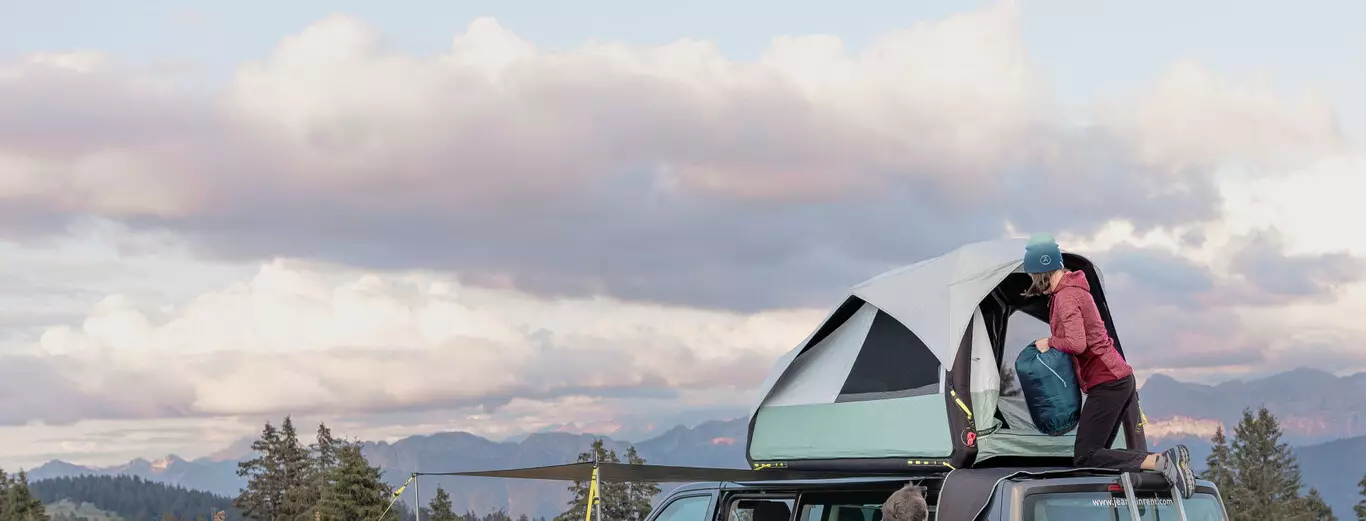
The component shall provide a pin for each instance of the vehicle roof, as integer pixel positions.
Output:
(888, 480)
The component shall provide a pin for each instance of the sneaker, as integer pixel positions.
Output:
(1185, 460)
(1174, 464)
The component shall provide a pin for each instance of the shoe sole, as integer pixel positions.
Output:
(1185, 465)
(1183, 480)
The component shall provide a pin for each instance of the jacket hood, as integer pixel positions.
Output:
(1073, 279)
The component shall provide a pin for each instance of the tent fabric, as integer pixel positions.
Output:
(1015, 442)
(936, 298)
(985, 384)
(865, 390)
(616, 472)
(873, 429)
(819, 376)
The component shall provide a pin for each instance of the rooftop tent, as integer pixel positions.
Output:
(908, 371)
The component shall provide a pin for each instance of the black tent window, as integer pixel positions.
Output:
(892, 363)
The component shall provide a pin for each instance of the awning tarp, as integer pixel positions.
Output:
(647, 473)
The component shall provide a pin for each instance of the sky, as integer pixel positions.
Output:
(501, 217)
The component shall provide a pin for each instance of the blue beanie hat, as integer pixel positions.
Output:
(1042, 254)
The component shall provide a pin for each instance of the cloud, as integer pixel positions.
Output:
(315, 340)
(665, 173)
(1194, 119)
(503, 236)
(1178, 313)
(1262, 262)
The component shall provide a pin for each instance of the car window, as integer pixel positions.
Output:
(1104, 506)
(760, 510)
(692, 508)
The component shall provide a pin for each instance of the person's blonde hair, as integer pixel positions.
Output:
(907, 504)
(1040, 283)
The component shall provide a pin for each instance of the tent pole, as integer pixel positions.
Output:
(597, 498)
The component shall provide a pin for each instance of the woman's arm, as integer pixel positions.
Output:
(1072, 337)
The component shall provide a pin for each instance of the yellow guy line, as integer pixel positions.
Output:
(396, 493)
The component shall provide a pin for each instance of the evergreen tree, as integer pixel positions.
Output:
(325, 449)
(441, 509)
(620, 501)
(19, 502)
(599, 453)
(264, 496)
(1317, 508)
(1360, 507)
(6, 509)
(1266, 476)
(1219, 464)
(357, 490)
(295, 474)
(638, 496)
(322, 459)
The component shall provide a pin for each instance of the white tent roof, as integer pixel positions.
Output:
(935, 298)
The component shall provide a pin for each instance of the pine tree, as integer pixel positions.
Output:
(325, 449)
(1360, 507)
(357, 490)
(1266, 475)
(638, 496)
(263, 498)
(295, 474)
(1219, 464)
(441, 508)
(322, 454)
(20, 503)
(620, 501)
(599, 453)
(1316, 508)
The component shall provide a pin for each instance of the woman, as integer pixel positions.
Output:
(1108, 381)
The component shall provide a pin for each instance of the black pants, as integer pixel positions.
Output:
(1109, 406)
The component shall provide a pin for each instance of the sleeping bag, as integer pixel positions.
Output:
(1049, 384)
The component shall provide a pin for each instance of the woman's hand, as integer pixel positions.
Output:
(1042, 345)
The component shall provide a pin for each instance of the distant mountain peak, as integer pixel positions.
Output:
(165, 463)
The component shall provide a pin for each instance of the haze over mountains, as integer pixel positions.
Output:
(1321, 415)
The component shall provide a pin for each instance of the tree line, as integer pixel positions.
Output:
(329, 479)
(132, 497)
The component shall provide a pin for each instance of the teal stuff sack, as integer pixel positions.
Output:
(1050, 389)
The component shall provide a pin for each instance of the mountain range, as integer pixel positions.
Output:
(1321, 415)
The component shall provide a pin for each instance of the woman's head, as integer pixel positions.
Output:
(1043, 263)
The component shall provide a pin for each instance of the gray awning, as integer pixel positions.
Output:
(647, 473)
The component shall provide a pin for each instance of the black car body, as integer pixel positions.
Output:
(962, 495)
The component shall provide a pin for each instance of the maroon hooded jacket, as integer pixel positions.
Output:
(1077, 329)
